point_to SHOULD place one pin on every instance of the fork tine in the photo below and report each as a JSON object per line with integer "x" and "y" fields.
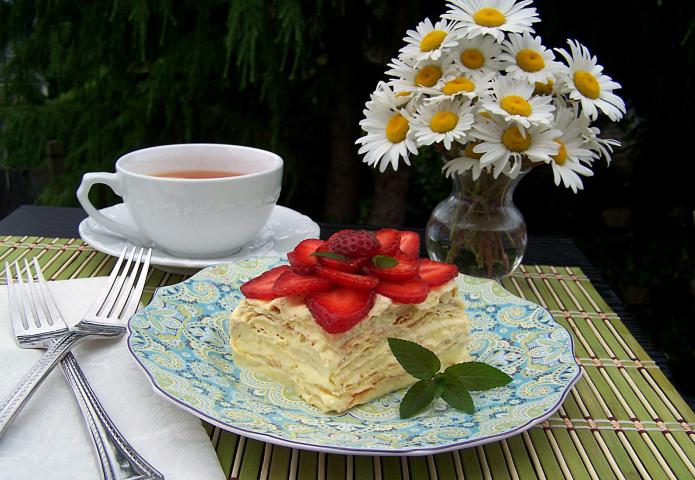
{"x": 18, "y": 321}
{"x": 135, "y": 294}
{"x": 128, "y": 285}
{"x": 53, "y": 311}
{"x": 103, "y": 294}
{"x": 117, "y": 287}
{"x": 26, "y": 304}
{"x": 38, "y": 300}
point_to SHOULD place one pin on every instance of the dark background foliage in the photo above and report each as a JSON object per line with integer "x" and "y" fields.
{"x": 292, "y": 76}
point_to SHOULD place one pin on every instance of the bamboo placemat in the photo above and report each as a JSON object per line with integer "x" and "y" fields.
{"x": 623, "y": 419}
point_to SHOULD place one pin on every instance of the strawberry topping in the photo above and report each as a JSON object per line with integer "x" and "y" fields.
{"x": 262, "y": 287}
{"x": 410, "y": 244}
{"x": 389, "y": 239}
{"x": 350, "y": 280}
{"x": 290, "y": 283}
{"x": 349, "y": 266}
{"x": 406, "y": 268}
{"x": 410, "y": 291}
{"x": 339, "y": 310}
{"x": 300, "y": 258}
{"x": 354, "y": 243}
{"x": 436, "y": 273}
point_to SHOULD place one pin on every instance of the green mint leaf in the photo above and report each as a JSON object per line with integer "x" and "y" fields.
{"x": 384, "y": 261}
{"x": 477, "y": 375}
{"x": 418, "y": 397}
{"x": 331, "y": 255}
{"x": 456, "y": 394}
{"x": 415, "y": 359}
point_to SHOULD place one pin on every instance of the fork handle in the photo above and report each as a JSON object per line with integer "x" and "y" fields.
{"x": 119, "y": 460}
{"x": 27, "y": 385}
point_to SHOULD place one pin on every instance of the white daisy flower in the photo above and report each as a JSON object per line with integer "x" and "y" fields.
{"x": 468, "y": 161}
{"x": 568, "y": 164}
{"x": 505, "y": 147}
{"x": 600, "y": 147}
{"x": 443, "y": 122}
{"x": 385, "y": 95}
{"x": 525, "y": 57}
{"x": 477, "y": 54}
{"x": 492, "y": 17}
{"x": 389, "y": 136}
{"x": 409, "y": 77}
{"x": 514, "y": 101}
{"x": 455, "y": 83}
{"x": 587, "y": 84}
{"x": 428, "y": 41}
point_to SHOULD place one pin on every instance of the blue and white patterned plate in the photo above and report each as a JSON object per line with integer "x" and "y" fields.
{"x": 181, "y": 340}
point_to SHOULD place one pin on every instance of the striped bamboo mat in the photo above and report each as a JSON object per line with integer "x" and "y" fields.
{"x": 623, "y": 419}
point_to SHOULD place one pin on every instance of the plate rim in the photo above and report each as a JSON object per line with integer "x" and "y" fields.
{"x": 265, "y": 437}
{"x": 170, "y": 260}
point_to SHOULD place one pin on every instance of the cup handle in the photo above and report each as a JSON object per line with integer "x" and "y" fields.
{"x": 113, "y": 181}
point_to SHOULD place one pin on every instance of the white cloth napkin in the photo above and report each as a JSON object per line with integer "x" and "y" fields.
{"x": 48, "y": 439}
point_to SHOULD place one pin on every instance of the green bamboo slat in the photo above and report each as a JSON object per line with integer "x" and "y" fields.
{"x": 308, "y": 465}
{"x": 674, "y": 398}
{"x": 595, "y": 296}
{"x": 668, "y": 454}
{"x": 595, "y": 455}
{"x": 496, "y": 461}
{"x": 645, "y": 455}
{"x": 226, "y": 450}
{"x": 336, "y": 466}
{"x": 549, "y": 463}
{"x": 364, "y": 467}
{"x": 565, "y": 444}
{"x": 251, "y": 461}
{"x": 417, "y": 467}
{"x": 470, "y": 463}
{"x": 280, "y": 462}
{"x": 520, "y": 457}
{"x": 445, "y": 465}
{"x": 391, "y": 467}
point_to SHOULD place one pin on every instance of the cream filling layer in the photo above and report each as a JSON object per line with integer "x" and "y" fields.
{"x": 281, "y": 340}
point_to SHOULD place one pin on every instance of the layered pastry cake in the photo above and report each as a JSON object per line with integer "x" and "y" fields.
{"x": 321, "y": 323}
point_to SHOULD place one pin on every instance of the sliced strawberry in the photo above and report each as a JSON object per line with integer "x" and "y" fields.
{"x": 350, "y": 280}
{"x": 410, "y": 291}
{"x": 262, "y": 287}
{"x": 410, "y": 244}
{"x": 340, "y": 309}
{"x": 406, "y": 268}
{"x": 290, "y": 283}
{"x": 389, "y": 240}
{"x": 354, "y": 243}
{"x": 350, "y": 266}
{"x": 437, "y": 273}
{"x": 300, "y": 258}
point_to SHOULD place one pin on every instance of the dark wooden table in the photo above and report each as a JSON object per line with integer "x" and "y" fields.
{"x": 63, "y": 222}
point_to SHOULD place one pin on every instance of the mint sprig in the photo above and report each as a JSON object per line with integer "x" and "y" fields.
{"x": 384, "y": 261}
{"x": 331, "y": 255}
{"x": 453, "y": 385}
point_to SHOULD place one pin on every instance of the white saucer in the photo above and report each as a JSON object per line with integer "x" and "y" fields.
{"x": 283, "y": 231}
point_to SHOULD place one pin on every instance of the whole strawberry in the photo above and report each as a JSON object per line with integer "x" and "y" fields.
{"x": 354, "y": 243}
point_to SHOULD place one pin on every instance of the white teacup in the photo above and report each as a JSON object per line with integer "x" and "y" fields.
{"x": 191, "y": 218}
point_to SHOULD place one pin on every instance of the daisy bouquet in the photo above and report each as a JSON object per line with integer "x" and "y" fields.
{"x": 479, "y": 86}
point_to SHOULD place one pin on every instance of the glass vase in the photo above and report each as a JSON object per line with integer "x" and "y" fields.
{"x": 478, "y": 228}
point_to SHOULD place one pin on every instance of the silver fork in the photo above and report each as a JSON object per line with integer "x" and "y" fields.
{"x": 33, "y": 301}
{"x": 105, "y": 318}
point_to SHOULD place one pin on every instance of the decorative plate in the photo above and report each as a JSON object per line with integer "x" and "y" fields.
{"x": 181, "y": 341}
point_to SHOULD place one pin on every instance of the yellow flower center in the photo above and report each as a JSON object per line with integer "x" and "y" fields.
{"x": 432, "y": 40}
{"x": 443, "y": 122}
{"x": 428, "y": 76}
{"x": 587, "y": 84}
{"x": 458, "y": 84}
{"x": 516, "y": 105}
{"x": 397, "y": 128}
{"x": 472, "y": 58}
{"x": 561, "y": 156}
{"x": 543, "y": 88}
{"x": 530, "y": 60}
{"x": 514, "y": 141}
{"x": 468, "y": 152}
{"x": 403, "y": 93}
{"x": 489, "y": 17}
{"x": 485, "y": 114}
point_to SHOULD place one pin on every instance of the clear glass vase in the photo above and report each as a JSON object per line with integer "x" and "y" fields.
{"x": 478, "y": 228}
